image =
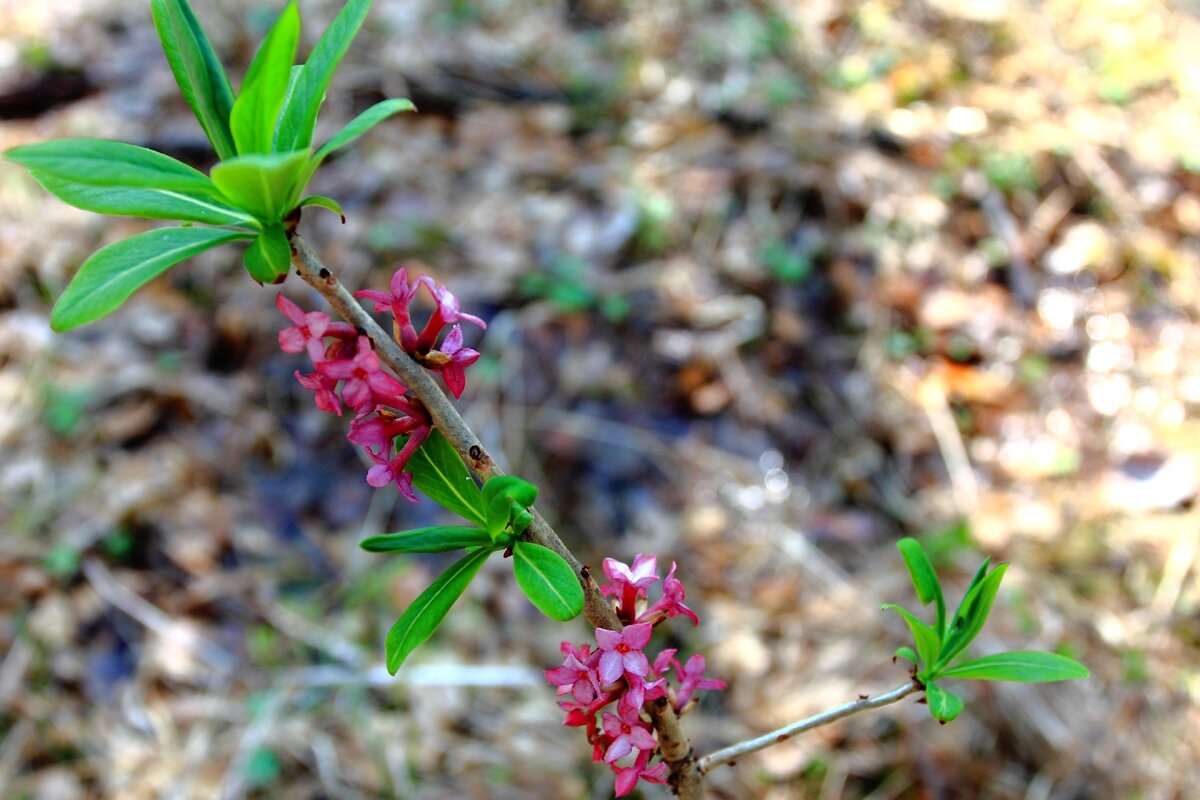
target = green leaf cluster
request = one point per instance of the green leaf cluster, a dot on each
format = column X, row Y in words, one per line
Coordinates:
column 262, row 135
column 500, row 513
column 938, row 644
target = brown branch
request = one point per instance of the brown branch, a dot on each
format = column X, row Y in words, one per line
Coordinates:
column 676, row 750
column 727, row 755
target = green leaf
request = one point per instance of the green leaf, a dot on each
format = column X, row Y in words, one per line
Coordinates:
column 99, row 162
column 441, row 475
column 324, row 202
column 422, row 618
column 361, row 124
column 943, row 705
column 145, row 202
column 1025, row 666
column 906, row 653
column 256, row 111
column 113, row 273
column 503, row 497
column 427, row 540
column 924, row 579
column 928, row 642
column 547, row 580
column 972, row 613
column 197, row 70
column 300, row 110
column 269, row 257
column 263, row 185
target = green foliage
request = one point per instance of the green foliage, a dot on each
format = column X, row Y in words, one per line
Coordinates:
column 113, row 273
column 1025, row 666
column 197, row 70
column 426, row 613
column 943, row 705
column 506, row 498
column 428, row 540
column 263, row 138
column 257, row 108
column 547, row 580
column 299, row 116
column 442, row 477
column 269, row 255
column 266, row 185
column 936, row 646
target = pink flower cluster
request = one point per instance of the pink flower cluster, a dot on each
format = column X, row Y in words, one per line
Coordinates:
column 619, row 671
column 450, row 358
column 383, row 409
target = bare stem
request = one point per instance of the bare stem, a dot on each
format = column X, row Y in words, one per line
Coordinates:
column 727, row 755
column 676, row 749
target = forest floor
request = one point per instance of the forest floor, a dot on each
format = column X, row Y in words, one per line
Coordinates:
column 769, row 285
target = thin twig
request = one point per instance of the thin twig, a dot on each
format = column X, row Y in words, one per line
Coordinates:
column 676, row 749
column 730, row 754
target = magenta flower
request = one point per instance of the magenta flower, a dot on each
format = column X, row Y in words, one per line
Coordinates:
column 446, row 313
column 628, row 777
column 398, row 303
column 367, row 385
column 641, row 576
column 671, row 603
column 691, row 679
column 577, row 676
column 388, row 470
column 630, row 583
column 452, row 359
column 324, row 388
column 380, row 432
column 622, row 652
column 628, row 731
column 306, row 332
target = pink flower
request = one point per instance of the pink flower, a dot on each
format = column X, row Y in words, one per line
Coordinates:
column 577, row 675
column 447, row 312
column 452, row 359
column 367, row 385
column 671, row 602
column 397, row 302
column 628, row 731
column 388, row 470
column 380, row 432
column 323, row 387
column 628, row 777
column 630, row 583
column 691, row 679
column 641, row 576
column 622, row 652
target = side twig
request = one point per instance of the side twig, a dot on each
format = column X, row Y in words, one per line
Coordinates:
column 728, row 755
column 676, row 749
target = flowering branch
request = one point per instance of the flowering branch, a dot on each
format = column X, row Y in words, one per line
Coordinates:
column 676, row 750
column 727, row 755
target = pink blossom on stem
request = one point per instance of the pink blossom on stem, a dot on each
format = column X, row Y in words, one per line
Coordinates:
column 391, row 470
column 324, row 389
column 398, row 303
column 671, row 602
column 622, row 652
column 367, row 385
column 577, row 675
column 628, row 777
column 447, row 312
column 630, row 583
column 691, row 678
column 628, row 731
column 452, row 359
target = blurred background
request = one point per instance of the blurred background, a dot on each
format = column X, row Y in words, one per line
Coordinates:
column 770, row 284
